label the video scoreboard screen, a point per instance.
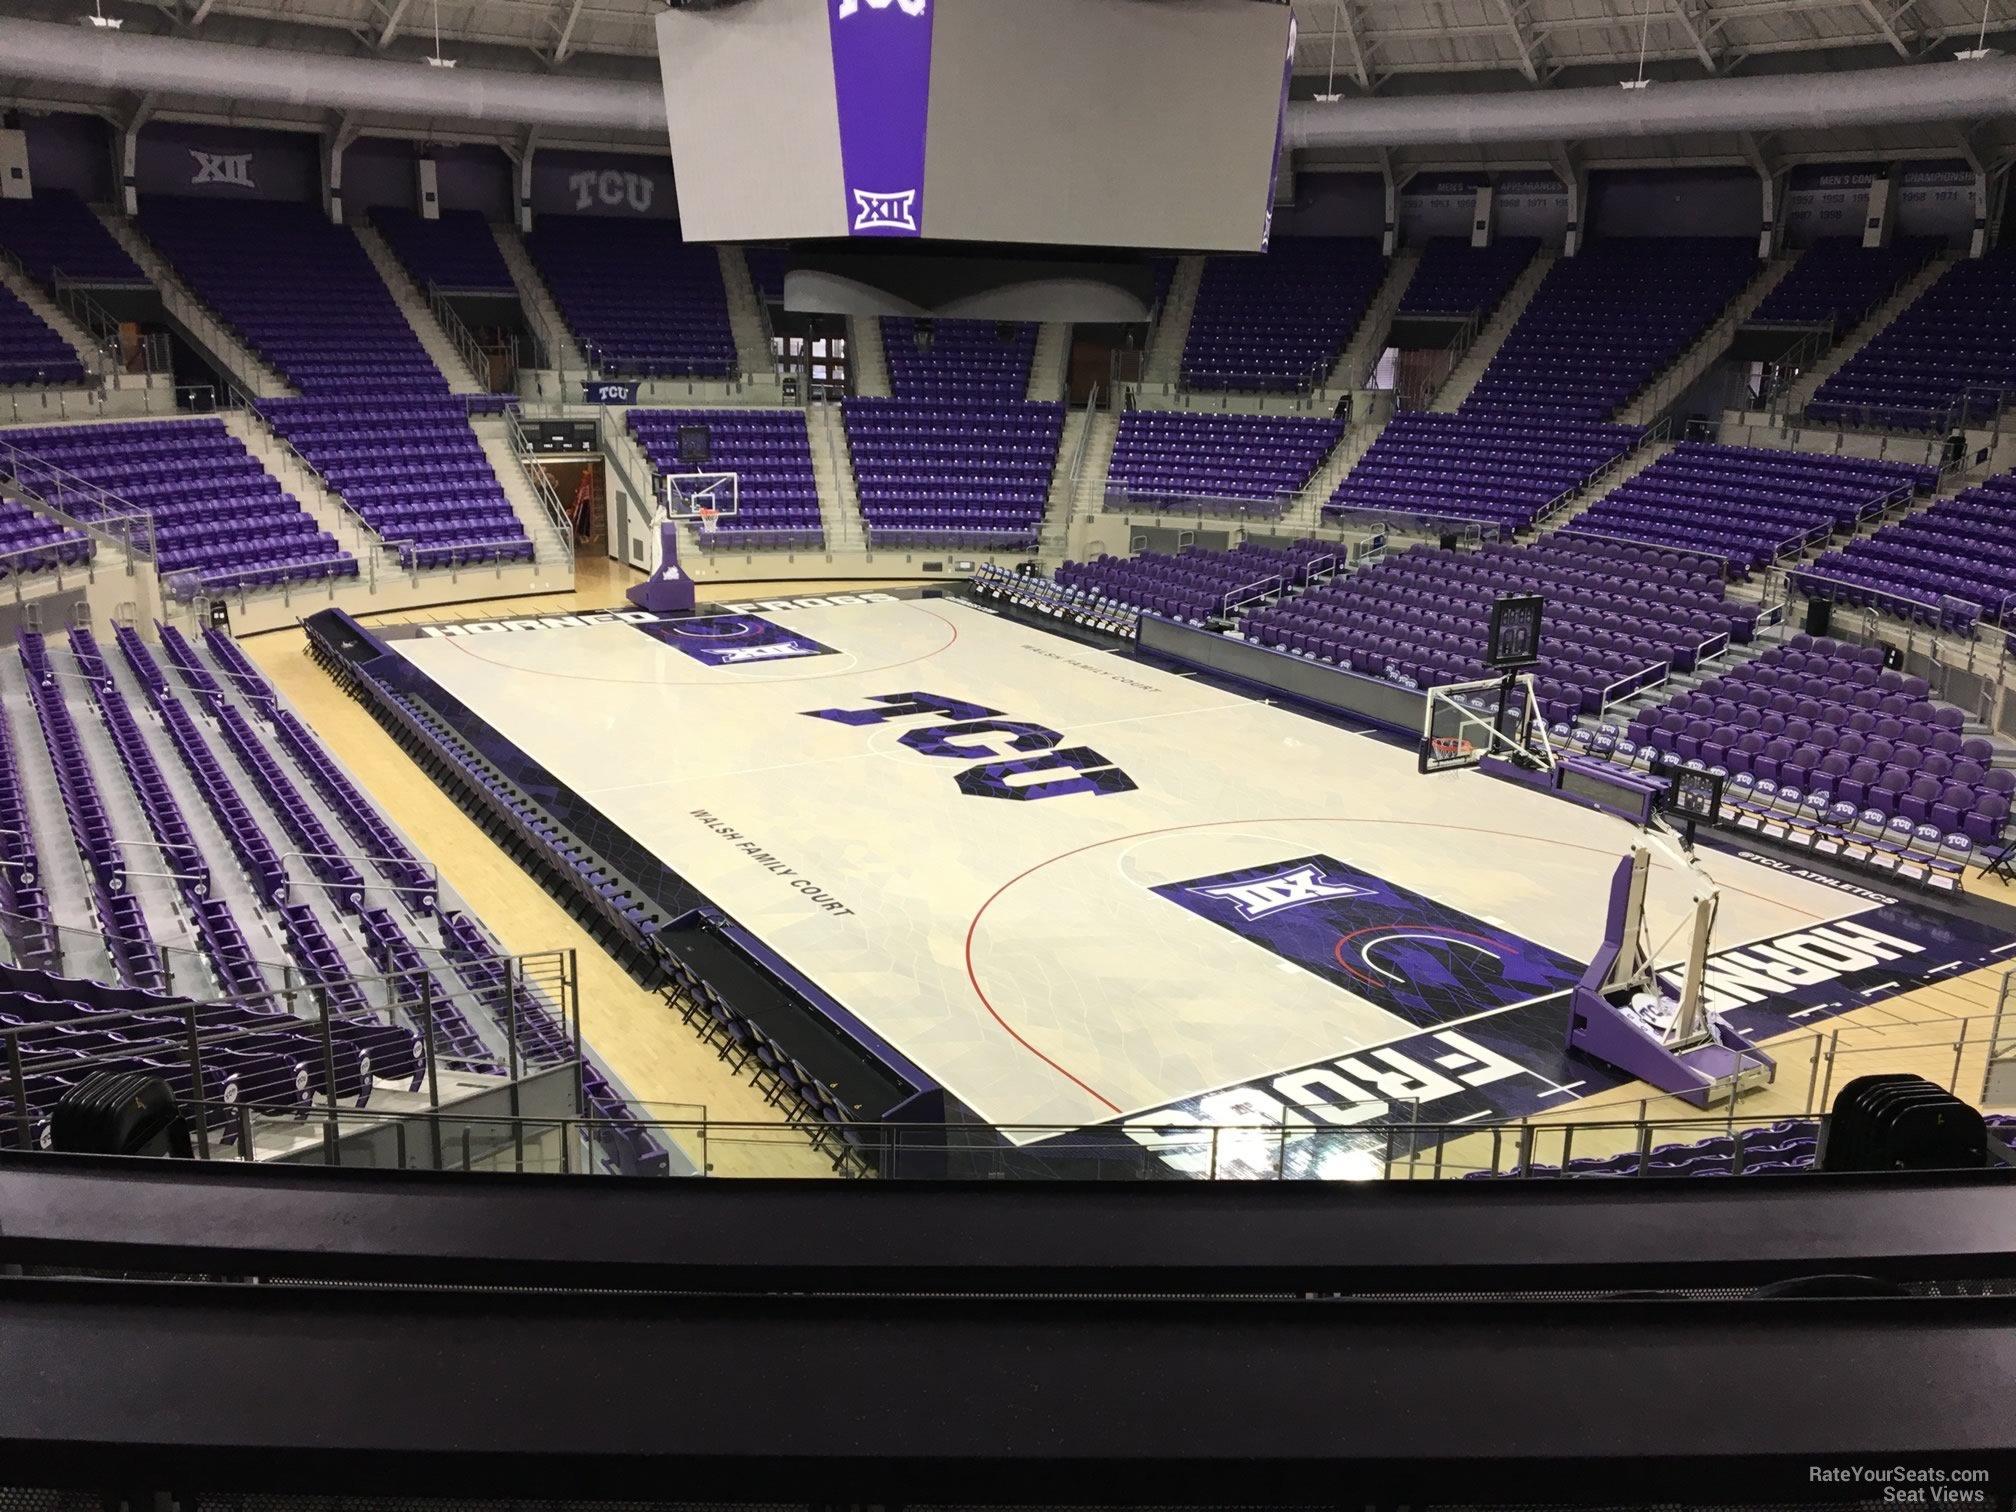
(562, 435)
(1069, 123)
(1695, 794)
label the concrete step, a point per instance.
(299, 479)
(203, 325)
(1491, 335)
(462, 378)
(1348, 372)
(866, 359)
(1646, 454)
(833, 472)
(1091, 498)
(1048, 367)
(25, 289)
(1306, 512)
(563, 351)
(549, 535)
(1708, 348)
(745, 314)
(1165, 351)
(1801, 391)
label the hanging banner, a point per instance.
(882, 85)
(596, 391)
(1280, 136)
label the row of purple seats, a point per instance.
(1831, 718)
(1606, 321)
(31, 351)
(1279, 322)
(54, 232)
(1784, 1146)
(1950, 566)
(223, 942)
(420, 990)
(256, 263)
(1180, 456)
(1949, 358)
(1750, 505)
(769, 451)
(215, 511)
(1501, 473)
(640, 300)
(24, 905)
(120, 918)
(628, 1146)
(978, 464)
(31, 543)
(958, 359)
(1195, 584)
(1838, 281)
(1454, 278)
(415, 473)
(455, 253)
(543, 1039)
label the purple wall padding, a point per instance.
(1676, 202)
(228, 162)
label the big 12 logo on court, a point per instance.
(1092, 773)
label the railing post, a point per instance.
(196, 1084)
(20, 1091)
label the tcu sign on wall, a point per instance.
(882, 89)
(611, 189)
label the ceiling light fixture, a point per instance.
(1331, 96)
(1980, 51)
(99, 18)
(437, 61)
(1644, 35)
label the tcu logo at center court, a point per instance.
(908, 7)
(1084, 769)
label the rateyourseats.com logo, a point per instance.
(852, 7)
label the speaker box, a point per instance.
(1900, 1122)
(119, 1113)
(932, 593)
(1448, 543)
(1819, 616)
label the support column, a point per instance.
(525, 184)
(129, 157)
(430, 188)
(1480, 217)
(1876, 218)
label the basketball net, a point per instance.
(709, 520)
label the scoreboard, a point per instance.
(1057, 123)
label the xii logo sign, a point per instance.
(1261, 896)
(234, 169)
(885, 212)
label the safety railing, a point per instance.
(1953, 614)
(1119, 499)
(559, 527)
(1468, 529)
(460, 337)
(1390, 1139)
(1079, 451)
(140, 353)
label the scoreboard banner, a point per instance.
(882, 87)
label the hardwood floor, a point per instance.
(1939, 1031)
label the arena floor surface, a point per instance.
(1074, 889)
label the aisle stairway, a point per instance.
(544, 315)
(1165, 355)
(1707, 349)
(1802, 389)
(866, 358)
(1348, 372)
(1463, 377)
(201, 323)
(413, 305)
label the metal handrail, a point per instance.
(542, 488)
(460, 337)
(1078, 455)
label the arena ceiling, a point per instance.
(1350, 48)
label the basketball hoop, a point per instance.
(1451, 747)
(709, 520)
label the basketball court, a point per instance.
(1073, 888)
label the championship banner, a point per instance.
(597, 392)
(882, 86)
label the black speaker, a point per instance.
(1819, 616)
(1900, 1122)
(1893, 658)
(1448, 543)
(932, 593)
(119, 1113)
